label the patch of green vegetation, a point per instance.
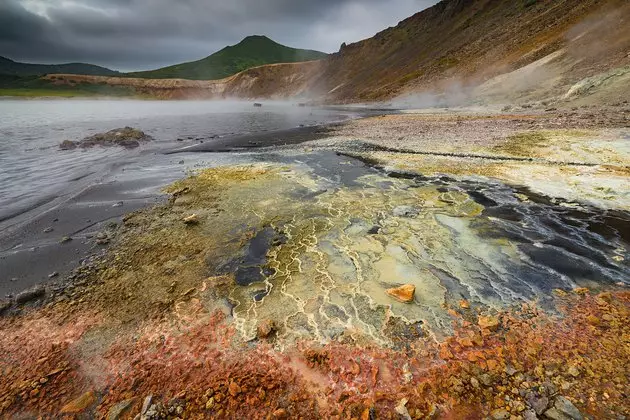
(34, 86)
(250, 52)
(37, 93)
(14, 68)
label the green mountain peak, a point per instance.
(251, 51)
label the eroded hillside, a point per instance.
(492, 51)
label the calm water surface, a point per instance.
(34, 171)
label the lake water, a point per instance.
(33, 170)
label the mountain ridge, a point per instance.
(16, 68)
(251, 51)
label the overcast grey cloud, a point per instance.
(144, 34)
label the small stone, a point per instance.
(401, 409)
(234, 389)
(30, 295)
(48, 230)
(118, 204)
(403, 293)
(374, 230)
(500, 414)
(265, 328)
(490, 323)
(566, 407)
(146, 404)
(474, 382)
(573, 371)
(4, 305)
(538, 404)
(53, 274)
(554, 414)
(210, 403)
(65, 239)
(464, 304)
(406, 211)
(593, 320)
(486, 379)
(119, 409)
(193, 219)
(280, 413)
(80, 404)
(529, 415)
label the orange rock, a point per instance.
(280, 413)
(593, 320)
(80, 404)
(403, 293)
(464, 304)
(265, 328)
(490, 323)
(581, 291)
(234, 389)
(366, 414)
(445, 353)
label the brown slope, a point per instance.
(512, 50)
(464, 40)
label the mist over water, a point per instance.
(33, 170)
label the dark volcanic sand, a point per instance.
(29, 254)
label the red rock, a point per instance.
(403, 293)
(265, 328)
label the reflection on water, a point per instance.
(33, 170)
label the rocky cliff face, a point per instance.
(492, 50)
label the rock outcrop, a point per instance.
(127, 137)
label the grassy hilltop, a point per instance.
(250, 52)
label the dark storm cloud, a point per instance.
(141, 34)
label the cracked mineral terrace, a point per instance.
(259, 288)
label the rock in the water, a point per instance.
(127, 137)
(80, 404)
(30, 295)
(68, 145)
(403, 293)
(118, 410)
(257, 105)
(406, 211)
(48, 230)
(266, 328)
(4, 305)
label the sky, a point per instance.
(130, 35)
